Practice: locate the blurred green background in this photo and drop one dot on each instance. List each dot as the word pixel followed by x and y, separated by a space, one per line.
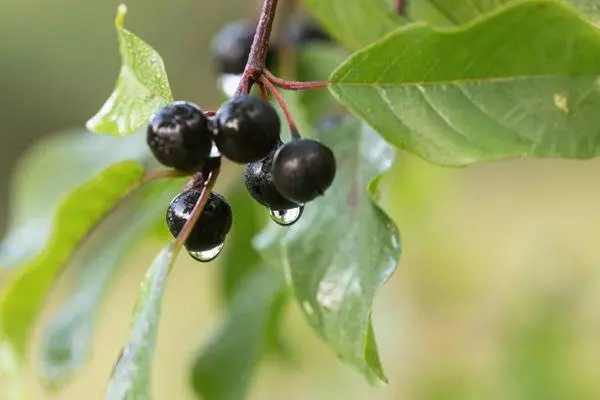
pixel 497 294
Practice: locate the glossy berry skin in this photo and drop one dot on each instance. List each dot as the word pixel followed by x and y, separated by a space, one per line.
pixel 231 47
pixel 246 129
pixel 303 169
pixel 179 136
pixel 259 182
pixel 212 226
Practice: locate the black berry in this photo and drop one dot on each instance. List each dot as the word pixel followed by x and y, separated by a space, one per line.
pixel 246 129
pixel 212 226
pixel 308 32
pixel 231 47
pixel 303 169
pixel 259 182
pixel 179 136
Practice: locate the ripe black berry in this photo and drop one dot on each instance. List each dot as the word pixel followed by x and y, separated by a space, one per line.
pixel 303 169
pixel 179 136
pixel 259 182
pixel 246 129
pixel 212 226
pixel 231 47
pixel 308 32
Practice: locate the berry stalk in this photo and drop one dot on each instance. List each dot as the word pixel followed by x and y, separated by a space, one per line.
pixel 263 91
pixel 187 228
pixel 286 112
pixel 293 85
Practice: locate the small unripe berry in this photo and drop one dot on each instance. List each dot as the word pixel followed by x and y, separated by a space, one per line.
pixel 259 182
pixel 179 136
pixel 303 169
pixel 212 226
pixel 246 129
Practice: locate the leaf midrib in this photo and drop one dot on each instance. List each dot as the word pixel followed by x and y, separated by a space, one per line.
pixel 486 80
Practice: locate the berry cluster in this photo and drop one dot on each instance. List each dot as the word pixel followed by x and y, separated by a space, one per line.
pixel 246 129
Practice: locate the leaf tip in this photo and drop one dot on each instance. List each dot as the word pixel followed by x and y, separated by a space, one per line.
pixel 90 124
pixel 121 11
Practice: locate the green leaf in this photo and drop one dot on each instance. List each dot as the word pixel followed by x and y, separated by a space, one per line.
pixel 142 86
pixel 343 249
pixel 82 209
pixel 46 174
pixel 228 361
pixel 589 8
pixel 130 378
pixel 457 12
pixel 358 24
pixel 68 337
pixel 451 12
pixel 503 86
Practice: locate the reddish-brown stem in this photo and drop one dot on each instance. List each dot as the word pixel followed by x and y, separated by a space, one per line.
pixel 210 113
pixel 263 91
pixel 197 210
pixel 197 179
pixel 260 44
pixel 400 7
pixel 260 48
pixel 286 112
pixel 293 85
pixel 245 84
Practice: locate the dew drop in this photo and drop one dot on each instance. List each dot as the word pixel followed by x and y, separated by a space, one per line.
pixel 286 217
pixel 228 83
pixel 214 151
pixel 207 255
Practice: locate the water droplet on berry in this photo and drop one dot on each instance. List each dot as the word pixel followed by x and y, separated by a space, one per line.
pixel 228 83
pixel 214 151
pixel 207 255
pixel 286 217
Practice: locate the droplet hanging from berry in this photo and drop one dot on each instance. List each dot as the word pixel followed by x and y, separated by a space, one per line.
pixel 212 227
pixel 259 182
pixel 286 217
pixel 207 255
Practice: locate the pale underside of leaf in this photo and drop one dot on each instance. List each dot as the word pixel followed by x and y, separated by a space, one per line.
pixel 342 250
pixel 36 193
pixel 130 378
pixel 141 88
pixel 68 338
pixel 22 297
pixel 503 86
